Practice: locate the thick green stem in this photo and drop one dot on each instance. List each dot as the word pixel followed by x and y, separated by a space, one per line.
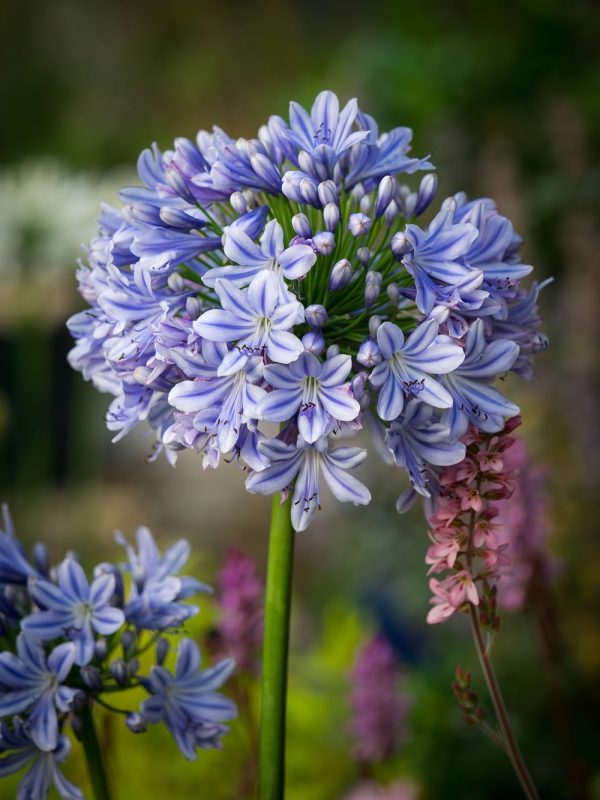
pixel 275 653
pixel 93 756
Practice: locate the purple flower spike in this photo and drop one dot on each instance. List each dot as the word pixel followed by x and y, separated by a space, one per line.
pixel 74 608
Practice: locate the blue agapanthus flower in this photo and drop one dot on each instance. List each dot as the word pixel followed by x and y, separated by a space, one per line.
pixel 236 280
pixel 187 702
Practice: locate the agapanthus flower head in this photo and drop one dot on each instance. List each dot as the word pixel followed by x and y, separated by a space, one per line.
pixel 292 278
pixel 65 641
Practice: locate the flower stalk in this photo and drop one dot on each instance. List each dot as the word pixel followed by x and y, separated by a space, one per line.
pixel 275 653
pixel 93 756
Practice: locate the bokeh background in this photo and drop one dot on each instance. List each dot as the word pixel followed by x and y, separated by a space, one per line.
pixel 505 96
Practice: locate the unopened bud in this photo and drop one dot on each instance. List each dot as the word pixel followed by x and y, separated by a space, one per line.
pixel 119 671
pixel 135 722
pixel 365 204
pixel 372 287
pixel 91 678
pixel 364 255
pixel 368 354
pixel 390 214
pixel 359 224
pixel 301 225
pixel 162 649
pixel 341 275
pixel 41 558
pixel 393 292
pixel 400 244
pixel 332 351
pixel 426 193
pixel 238 203
pixel 385 194
pixel 316 315
pixel 128 640
pixel 357 193
pixel 100 649
pixel 331 216
pixel 374 324
pixel 314 342
pixel 327 192
pixel 324 242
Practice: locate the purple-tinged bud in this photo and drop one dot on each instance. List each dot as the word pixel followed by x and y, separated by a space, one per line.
pixel 250 198
pixel 91 678
pixel 410 202
pixel 193 307
pixel 372 287
pixel 128 640
pixel 133 666
pixel 41 558
pixel 314 342
pixel 79 702
pixel 238 203
pixel 359 224
pixel 426 193
pixel 374 324
pixel 135 722
pixel 306 163
pixel 327 192
pixel 100 649
pixel 385 194
pixel 358 384
pixel 331 216
pixel 332 351
pixel 301 226
pixel 175 282
pixel 323 242
pixel 106 568
pixel 316 315
pixel 393 292
pixel 265 169
pixel 298 188
pixel 364 255
pixel 364 402
pixel 162 650
pixel 357 193
pixel 365 204
pixel 368 354
pixel 390 214
pixel 400 244
pixel 119 671
pixel 341 275
pixel 309 192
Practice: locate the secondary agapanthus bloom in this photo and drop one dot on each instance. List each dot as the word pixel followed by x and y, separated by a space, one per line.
pixel 74 608
pixel 231 282
pixel 187 701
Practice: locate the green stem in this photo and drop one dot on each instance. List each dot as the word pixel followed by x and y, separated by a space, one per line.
pixel 275 653
pixel 93 756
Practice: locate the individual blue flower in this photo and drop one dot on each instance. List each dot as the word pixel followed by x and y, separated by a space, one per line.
pixel 416 441
pixel 74 608
pixel 292 262
pixel 476 401
pixel 187 702
pixel 315 390
pixel 18 750
pixel 435 256
pixel 31 682
pixel 14 567
pixel 305 463
pixel 408 366
pixel 255 319
pixel 154 602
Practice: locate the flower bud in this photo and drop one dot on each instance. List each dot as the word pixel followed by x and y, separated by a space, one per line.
pixel 314 342
pixel 341 275
pixel 106 568
pixel 193 307
pixel 100 649
pixel 316 315
pixel 301 225
pixel 327 192
pixel 119 671
pixel 175 282
pixel 309 192
pixel 358 384
pixel 364 401
pixel 374 324
pixel 250 198
pixel 238 203
pixel 265 169
pixel 359 224
pixel 372 287
pixel 79 702
pixel 91 678
pixel 390 214
pixel 410 202
pixel 368 354
pixel 331 216
pixel 133 666
pixel 357 193
pixel 41 558
pixel 128 640
pixel 426 192
pixel 365 204
pixel 393 292
pixel 135 722
pixel 332 351
pixel 364 255
pixel 400 244
pixel 323 242
pixel 162 649
pixel 385 194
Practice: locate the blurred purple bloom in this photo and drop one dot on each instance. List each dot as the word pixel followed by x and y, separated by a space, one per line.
pixel 73 608
pixel 187 701
pixel 14 567
pixel 30 682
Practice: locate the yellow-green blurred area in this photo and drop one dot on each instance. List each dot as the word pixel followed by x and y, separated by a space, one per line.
pixel 505 97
